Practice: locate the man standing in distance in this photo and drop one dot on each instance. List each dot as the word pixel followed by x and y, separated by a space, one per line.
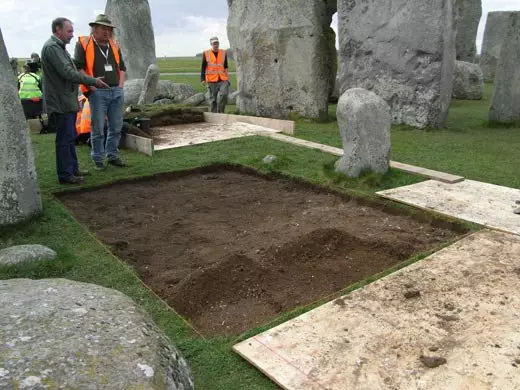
pixel 214 74
pixel 60 91
pixel 98 55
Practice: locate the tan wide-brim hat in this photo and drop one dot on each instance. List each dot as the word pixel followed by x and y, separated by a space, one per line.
pixel 102 20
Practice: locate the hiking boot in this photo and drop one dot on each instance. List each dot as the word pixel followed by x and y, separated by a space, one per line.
pixel 117 162
pixel 79 172
pixel 72 180
pixel 517 210
pixel 99 166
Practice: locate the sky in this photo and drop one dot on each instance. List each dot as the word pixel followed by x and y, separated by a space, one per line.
pixel 182 28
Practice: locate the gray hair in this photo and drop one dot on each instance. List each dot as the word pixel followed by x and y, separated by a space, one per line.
pixel 59 23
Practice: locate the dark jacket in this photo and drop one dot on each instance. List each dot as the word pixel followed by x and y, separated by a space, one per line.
pixel 60 78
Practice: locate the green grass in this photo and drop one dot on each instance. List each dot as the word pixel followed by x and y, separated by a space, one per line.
pixel 194 80
pixel 185 64
pixel 468 146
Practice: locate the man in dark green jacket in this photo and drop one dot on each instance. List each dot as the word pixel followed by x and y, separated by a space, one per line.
pixel 60 90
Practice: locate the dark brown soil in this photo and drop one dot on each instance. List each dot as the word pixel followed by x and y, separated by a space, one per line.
pixel 230 249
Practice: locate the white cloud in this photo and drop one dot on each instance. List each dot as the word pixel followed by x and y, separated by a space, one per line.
pixel 182 28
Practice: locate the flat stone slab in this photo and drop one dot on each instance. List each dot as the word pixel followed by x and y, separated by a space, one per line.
pixel 169 137
pixel 460 304
pixel 486 204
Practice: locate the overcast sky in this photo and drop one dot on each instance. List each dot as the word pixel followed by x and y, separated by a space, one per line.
pixel 182 28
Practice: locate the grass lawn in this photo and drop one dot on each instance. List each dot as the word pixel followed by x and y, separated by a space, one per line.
pixel 185 64
pixel 194 80
pixel 466 147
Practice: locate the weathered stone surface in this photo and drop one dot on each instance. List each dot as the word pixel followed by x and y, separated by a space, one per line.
pixel 505 104
pixel 134 32
pixel 494 33
pixel 133 89
pixel 150 85
pixel 364 124
pixel 283 56
pixel 195 100
pixel 232 97
pixel 468 81
pixel 67 334
pixel 469 13
pixel 402 50
pixel 177 91
pixel 19 192
pixel 25 253
pixel 166 89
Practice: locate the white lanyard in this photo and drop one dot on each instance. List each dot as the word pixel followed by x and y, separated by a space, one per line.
pixel 101 50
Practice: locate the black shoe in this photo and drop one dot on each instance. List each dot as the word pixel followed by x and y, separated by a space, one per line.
pixel 72 180
pixel 79 172
pixel 117 162
pixel 99 166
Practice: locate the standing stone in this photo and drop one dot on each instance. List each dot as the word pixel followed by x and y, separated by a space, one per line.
pixel 402 50
pixel 468 82
pixel 469 13
pixel 150 85
pixel 505 104
pixel 134 32
pixel 283 56
pixel 19 192
pixel 364 124
pixel 494 33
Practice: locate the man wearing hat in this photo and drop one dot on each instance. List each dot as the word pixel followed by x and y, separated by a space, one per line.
pixel 214 74
pixel 98 55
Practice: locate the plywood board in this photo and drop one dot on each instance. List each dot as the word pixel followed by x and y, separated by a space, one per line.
pixel 281 125
pixel 140 144
pixel 461 304
pixel 486 204
pixel 169 137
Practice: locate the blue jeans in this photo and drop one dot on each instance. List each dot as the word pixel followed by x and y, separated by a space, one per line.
pixel 66 159
pixel 109 103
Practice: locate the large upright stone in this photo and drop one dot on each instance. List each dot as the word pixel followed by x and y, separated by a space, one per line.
pixel 283 54
pixel 496 24
pixel 19 192
pixel 505 104
pixel 134 32
pixel 364 124
pixel 61 334
pixel 469 13
pixel 150 85
pixel 404 51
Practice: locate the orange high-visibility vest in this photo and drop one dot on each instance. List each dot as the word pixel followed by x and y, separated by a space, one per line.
pixel 215 69
pixel 83 119
pixel 89 46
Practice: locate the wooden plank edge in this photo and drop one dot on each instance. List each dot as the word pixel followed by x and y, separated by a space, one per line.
pixel 139 144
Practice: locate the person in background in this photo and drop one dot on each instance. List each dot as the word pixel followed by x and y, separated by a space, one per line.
pixel 60 90
pixel 214 74
pixel 98 55
pixel 36 59
pixel 29 82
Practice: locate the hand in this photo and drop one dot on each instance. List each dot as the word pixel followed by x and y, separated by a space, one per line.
pixel 203 82
pixel 92 89
pixel 100 83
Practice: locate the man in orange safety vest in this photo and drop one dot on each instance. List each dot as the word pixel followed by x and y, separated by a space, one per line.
pixel 214 74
